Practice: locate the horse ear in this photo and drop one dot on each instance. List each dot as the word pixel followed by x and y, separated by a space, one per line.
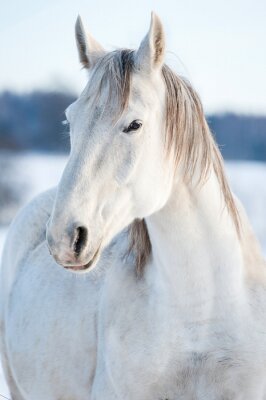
pixel 89 49
pixel 150 55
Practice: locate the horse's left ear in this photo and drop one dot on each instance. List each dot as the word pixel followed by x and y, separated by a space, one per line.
pixel 150 55
pixel 89 49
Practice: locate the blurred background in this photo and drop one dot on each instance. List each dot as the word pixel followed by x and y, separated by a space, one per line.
pixel 220 46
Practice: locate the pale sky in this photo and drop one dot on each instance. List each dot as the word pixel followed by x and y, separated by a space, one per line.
pixel 219 45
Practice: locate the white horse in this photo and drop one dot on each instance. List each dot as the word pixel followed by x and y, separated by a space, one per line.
pixel 167 294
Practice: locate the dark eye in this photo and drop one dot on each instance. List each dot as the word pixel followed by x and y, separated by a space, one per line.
pixel 134 126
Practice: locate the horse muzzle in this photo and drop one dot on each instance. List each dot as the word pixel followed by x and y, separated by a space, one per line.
pixel 71 248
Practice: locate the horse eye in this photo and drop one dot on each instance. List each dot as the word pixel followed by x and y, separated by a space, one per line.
pixel 134 126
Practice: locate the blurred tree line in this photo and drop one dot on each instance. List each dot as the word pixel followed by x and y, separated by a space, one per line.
pixel 33 122
pixel 240 137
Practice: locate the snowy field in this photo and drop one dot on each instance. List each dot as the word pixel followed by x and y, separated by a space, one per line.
pixel 37 172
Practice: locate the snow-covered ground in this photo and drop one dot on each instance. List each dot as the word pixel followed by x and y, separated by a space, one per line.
pixel 37 172
pixel 248 182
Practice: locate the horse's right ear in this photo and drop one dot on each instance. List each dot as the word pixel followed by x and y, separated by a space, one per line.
pixel 89 49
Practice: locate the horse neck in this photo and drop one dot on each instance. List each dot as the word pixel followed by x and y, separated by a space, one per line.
pixel 196 253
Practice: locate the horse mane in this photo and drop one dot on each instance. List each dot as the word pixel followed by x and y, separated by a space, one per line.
pixel 188 139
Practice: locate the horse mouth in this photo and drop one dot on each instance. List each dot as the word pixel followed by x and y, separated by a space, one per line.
pixel 87 266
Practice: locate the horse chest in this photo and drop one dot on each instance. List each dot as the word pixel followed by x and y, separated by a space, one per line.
pixel 152 369
pixel 161 357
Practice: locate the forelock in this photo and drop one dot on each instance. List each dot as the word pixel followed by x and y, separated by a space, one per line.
pixel 110 81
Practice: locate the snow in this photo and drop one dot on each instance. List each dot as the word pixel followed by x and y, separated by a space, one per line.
pixel 248 180
pixel 39 171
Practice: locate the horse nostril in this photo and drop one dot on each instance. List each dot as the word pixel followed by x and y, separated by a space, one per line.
pixel 80 239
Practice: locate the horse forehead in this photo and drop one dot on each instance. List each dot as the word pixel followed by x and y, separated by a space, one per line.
pixel 95 108
pixel 145 90
pixel 85 112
